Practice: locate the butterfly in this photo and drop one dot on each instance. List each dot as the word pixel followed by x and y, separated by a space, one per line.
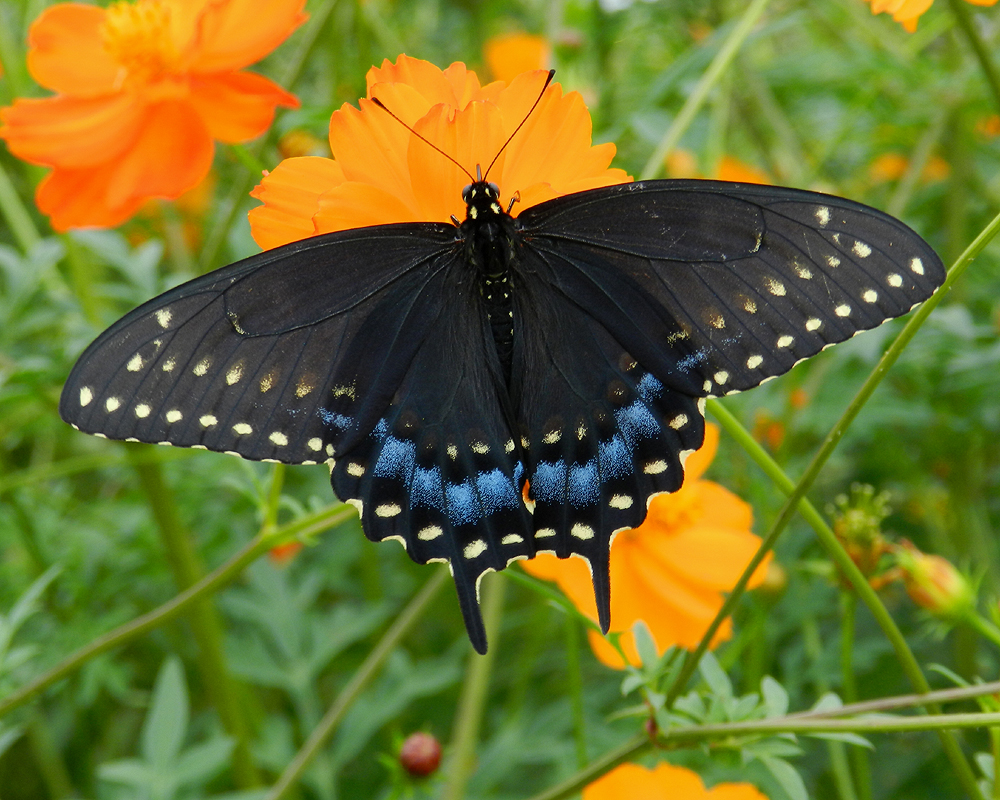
pixel 492 388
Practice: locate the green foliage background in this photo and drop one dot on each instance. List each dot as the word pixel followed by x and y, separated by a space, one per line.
pixel 817 92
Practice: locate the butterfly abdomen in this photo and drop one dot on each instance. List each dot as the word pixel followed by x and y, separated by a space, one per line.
pixel 491 252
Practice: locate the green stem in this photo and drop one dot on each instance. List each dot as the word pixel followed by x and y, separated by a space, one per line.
pixel 964 19
pixel 249 159
pixel 575 685
pixel 366 672
pixel 880 724
pixel 730 47
pixel 242 185
pixel 205 624
pixel 918 161
pixel 77 464
pixel 17 216
pixel 472 701
pixel 173 232
pixel 629 751
pixel 984 627
pixel 858 756
pixel 217 579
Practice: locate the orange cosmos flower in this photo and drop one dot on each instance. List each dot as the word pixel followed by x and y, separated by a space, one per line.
pixel 908 12
pixel 683 164
pixel 143 89
pixel 664 780
pixel 509 55
pixel 381 173
pixel 671 571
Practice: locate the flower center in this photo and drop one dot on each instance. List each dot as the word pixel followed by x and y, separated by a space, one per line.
pixel 137 36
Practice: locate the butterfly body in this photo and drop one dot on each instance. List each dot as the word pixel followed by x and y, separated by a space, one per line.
pixel 501 387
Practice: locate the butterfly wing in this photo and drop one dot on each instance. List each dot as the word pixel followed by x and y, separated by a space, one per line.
pixel 249 359
pixel 601 433
pixel 634 301
pixel 440 470
pixel 716 287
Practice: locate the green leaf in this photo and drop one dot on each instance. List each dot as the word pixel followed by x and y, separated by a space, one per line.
pixel 166 723
pixel 828 702
pixel 9 735
pixel 771 747
pixel 130 772
pixel 715 676
pixel 775 697
pixel 985 763
pixel 201 762
pixel 631 682
pixel 645 645
pixel 846 737
pixel 787 776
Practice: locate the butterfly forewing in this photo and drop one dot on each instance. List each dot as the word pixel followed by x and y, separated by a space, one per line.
pixel 730 283
pixel 248 359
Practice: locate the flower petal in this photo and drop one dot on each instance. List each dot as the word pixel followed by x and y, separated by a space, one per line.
pixel 699 460
pixel 78 198
pixel 509 55
pixel 554 144
pixel 66 51
pixel 371 147
pixel 291 193
pixel 232 34
pixel 714 557
pixel 428 80
pixel 472 137
pixel 172 154
pixel 72 132
pixel 237 106
pixel 664 780
pixel 357 205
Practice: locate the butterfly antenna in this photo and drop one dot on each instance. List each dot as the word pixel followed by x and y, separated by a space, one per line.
pixel 385 108
pixel 538 99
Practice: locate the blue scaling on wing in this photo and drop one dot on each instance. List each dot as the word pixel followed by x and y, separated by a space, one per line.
pixel 440 471
pixel 602 432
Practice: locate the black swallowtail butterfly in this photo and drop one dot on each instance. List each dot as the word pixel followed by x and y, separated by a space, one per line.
pixel 439 368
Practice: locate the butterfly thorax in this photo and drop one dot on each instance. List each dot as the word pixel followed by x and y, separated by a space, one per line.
pixel 488 233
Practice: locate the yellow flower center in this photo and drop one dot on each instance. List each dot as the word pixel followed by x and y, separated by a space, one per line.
pixel 137 35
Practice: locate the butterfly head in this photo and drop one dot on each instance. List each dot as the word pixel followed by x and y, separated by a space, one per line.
pixel 482 200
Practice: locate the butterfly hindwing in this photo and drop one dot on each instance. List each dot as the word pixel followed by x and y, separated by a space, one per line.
pixel 244 359
pixel 733 283
pixel 602 433
pixel 440 471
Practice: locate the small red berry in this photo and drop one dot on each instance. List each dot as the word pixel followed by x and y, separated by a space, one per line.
pixel 420 754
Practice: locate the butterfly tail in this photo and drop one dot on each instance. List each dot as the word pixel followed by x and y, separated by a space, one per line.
pixel 467 586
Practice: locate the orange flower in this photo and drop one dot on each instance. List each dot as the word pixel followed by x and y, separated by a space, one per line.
pixel 382 173
pixel 683 164
pixel 892 167
pixel 283 553
pixel 142 90
pixel 671 571
pixel 908 12
pixel 509 55
pixel 732 169
pixel 664 780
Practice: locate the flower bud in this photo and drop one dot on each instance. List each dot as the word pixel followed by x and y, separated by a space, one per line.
pixel 420 754
pixel 934 583
pixel 857 522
